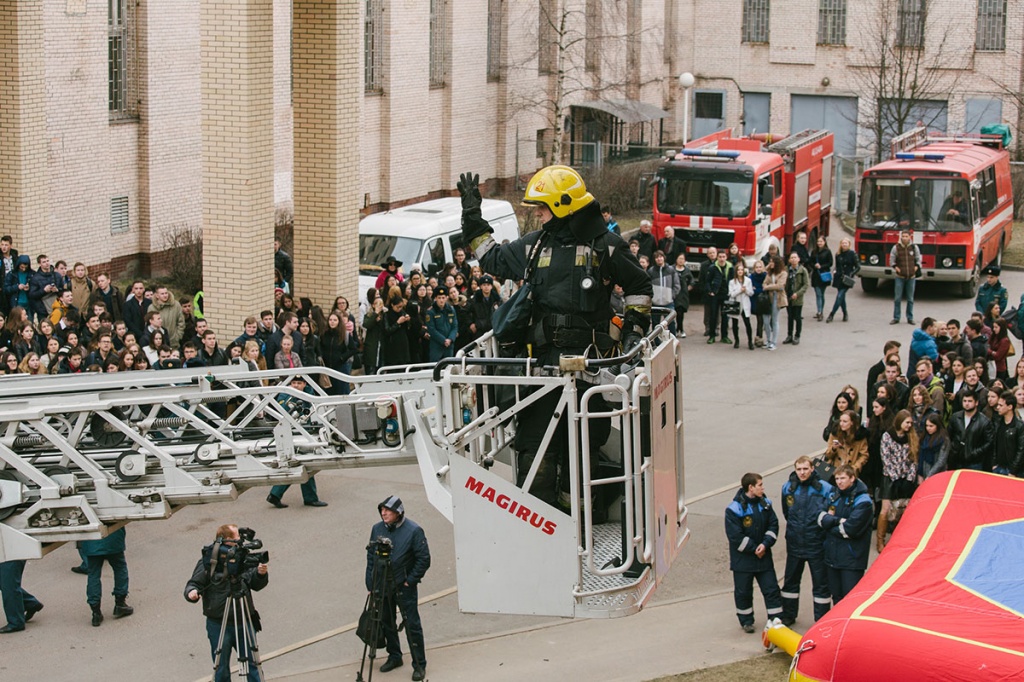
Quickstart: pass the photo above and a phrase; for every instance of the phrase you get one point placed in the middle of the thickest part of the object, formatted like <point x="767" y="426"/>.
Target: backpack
<point x="1015" y="320"/>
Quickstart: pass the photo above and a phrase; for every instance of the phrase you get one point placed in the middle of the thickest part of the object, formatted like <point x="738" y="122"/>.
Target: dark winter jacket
<point x="802" y="501"/>
<point x="481" y="309"/>
<point x="410" y="554"/>
<point x="970" y="446"/>
<point x="112" y="544"/>
<point x="37" y="291"/>
<point x="17" y="296"/>
<point x="1008" y="447"/>
<point x="216" y="590"/>
<point x="823" y="259"/>
<point x="846" y="264"/>
<point x="847" y="525"/>
<point x="750" y="522"/>
<point x="686" y="281"/>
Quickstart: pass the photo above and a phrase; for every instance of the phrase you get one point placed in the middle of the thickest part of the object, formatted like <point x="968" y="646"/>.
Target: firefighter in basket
<point x="570" y="268"/>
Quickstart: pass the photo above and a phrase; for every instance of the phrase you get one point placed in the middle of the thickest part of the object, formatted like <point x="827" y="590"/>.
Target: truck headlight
<point x="947" y="262"/>
<point x="873" y="259"/>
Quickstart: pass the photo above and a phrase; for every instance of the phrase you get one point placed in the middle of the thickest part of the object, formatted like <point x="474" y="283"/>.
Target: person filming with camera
<point x="224" y="577"/>
<point x="408" y="561"/>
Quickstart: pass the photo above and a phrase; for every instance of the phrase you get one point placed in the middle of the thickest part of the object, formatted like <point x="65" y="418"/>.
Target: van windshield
<point x="374" y="249"/>
<point x="925" y="204"/>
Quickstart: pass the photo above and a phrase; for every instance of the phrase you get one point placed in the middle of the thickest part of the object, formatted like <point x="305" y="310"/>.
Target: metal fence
<point x="1017" y="178"/>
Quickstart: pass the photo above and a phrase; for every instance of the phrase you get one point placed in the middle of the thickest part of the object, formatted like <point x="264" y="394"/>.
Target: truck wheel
<point x="969" y="289"/>
<point x="869" y="284"/>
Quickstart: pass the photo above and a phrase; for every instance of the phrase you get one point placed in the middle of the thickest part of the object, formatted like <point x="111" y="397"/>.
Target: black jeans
<point x="794" y="319"/>
<point x="405" y="598"/>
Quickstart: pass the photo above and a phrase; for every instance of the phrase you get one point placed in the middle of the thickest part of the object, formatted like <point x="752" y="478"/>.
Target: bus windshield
<point x="374" y="249"/>
<point x="925" y="204"/>
<point x="705" y="193"/>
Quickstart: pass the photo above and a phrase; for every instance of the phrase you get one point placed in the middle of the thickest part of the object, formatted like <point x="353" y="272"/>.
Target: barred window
<point x="832" y="22"/>
<point x="122" y="88"/>
<point x="438" y="42"/>
<point x="547" y="36"/>
<point x="373" y="46"/>
<point x="910" y="23"/>
<point x="755" y="21"/>
<point x="495" y="18"/>
<point x="991" y="25"/>
<point x="709" y="105"/>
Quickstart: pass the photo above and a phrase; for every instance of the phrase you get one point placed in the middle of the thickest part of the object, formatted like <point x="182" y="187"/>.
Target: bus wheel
<point x="969" y="289"/>
<point x="869" y="284"/>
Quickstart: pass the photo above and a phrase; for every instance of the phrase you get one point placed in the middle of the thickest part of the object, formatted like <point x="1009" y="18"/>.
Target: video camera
<point x="236" y="556"/>
<point x="381" y="548"/>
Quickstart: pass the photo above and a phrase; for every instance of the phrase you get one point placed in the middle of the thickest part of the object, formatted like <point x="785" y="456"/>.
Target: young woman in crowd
<point x="999" y="347"/>
<point x="682" y="299"/>
<point x="9" y="362"/>
<point x="920" y="407"/>
<point x="846" y="444"/>
<point x="338" y="347"/>
<point x="395" y="341"/>
<point x="757" y="280"/>
<point x="373" y="333"/>
<point x="957" y="373"/>
<point x="30" y="364"/>
<point x="821" y="274"/>
<point x="879" y="421"/>
<point x="1017" y="380"/>
<point x="141" y="363"/>
<point x="740" y="291"/>
<point x="287" y="358"/>
<point x="841" y="404"/>
<point x="152" y="349"/>
<point x="994" y="389"/>
<point x="310" y="344"/>
<point x="900" y="448"/>
<point x="846" y="266"/>
<point x="981" y="365"/>
<point x="25" y="341"/>
<point x="934" y="453"/>
<point x="849" y="390"/>
<point x="775" y="287"/>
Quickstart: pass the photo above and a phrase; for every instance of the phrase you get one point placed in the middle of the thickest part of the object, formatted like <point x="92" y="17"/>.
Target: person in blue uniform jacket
<point x="847" y="524"/>
<point x="111" y="550"/>
<point x="804" y="496"/>
<point x="752" y="528"/>
<point x="410" y="559"/>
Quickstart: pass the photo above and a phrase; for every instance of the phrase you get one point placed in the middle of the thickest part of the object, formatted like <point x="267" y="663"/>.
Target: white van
<point x="423" y="236"/>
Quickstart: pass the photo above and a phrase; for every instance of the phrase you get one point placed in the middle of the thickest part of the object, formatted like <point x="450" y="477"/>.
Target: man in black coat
<point x="485" y="301"/>
<point x="970" y="436"/>
<point x="213" y="578"/>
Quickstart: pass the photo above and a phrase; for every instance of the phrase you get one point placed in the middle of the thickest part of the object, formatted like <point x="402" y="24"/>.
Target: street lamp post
<point x="686" y="80"/>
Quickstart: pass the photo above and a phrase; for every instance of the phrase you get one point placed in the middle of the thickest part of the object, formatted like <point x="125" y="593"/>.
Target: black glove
<point x="469" y="189"/>
<point x="473" y="224"/>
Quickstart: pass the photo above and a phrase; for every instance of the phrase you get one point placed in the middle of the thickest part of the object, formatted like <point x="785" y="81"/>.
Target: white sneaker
<point x="682" y="335"/>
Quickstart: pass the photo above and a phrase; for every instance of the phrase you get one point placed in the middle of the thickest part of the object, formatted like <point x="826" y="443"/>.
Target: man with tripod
<point x="392" y="581"/>
<point x="225" y="584"/>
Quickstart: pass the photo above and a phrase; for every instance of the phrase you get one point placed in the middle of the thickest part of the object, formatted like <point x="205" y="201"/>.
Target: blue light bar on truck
<point x="912" y="156"/>
<point x="712" y="152"/>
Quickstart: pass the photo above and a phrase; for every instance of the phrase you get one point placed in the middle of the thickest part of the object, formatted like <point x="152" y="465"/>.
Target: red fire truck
<point x="953" y="192"/>
<point x="750" y="190"/>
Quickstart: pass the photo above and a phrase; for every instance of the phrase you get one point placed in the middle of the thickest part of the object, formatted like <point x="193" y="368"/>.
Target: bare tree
<point x="908" y="70"/>
<point x="584" y="49"/>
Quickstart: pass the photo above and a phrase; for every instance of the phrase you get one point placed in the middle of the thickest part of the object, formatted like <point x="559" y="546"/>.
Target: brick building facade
<point x="106" y="106"/>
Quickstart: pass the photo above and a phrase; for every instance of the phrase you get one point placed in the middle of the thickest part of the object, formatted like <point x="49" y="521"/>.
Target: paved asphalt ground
<point x="744" y="411"/>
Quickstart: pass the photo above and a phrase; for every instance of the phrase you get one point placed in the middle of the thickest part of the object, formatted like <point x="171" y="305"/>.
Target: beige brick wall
<point x="237" y="158"/>
<point x="23" y="167"/>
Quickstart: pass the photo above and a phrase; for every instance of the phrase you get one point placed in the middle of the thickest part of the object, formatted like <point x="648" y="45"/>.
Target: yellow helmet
<point x="560" y="188"/>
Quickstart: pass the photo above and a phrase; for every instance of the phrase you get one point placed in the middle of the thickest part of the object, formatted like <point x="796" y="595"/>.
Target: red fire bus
<point x="953" y="192"/>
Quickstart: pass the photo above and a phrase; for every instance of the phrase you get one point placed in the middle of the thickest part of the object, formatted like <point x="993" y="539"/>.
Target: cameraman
<point x="410" y="559"/>
<point x="212" y="580"/>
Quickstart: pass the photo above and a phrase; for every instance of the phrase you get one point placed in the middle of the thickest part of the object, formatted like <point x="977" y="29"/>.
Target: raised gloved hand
<point x="469" y="189"/>
<point x="474" y="227"/>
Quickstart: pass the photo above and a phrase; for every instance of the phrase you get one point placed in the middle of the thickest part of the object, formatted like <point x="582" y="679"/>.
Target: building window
<point x="547" y="36"/>
<point x="709" y="105"/>
<point x="495" y="24"/>
<point x="755" y="21"/>
<point x="910" y="23"/>
<point x="373" y="46"/>
<point x="438" y="42"/>
<point x="831" y="22"/>
<point x="991" y="25"/>
<point x="118" y="215"/>
<point x="122" y="91"/>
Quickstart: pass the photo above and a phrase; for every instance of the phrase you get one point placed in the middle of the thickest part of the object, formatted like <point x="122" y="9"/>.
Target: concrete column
<point x="23" y="151"/>
<point x="236" y="65"/>
<point x="327" y="67"/>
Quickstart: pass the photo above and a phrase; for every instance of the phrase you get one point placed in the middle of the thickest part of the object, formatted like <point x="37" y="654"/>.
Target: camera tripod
<point x="239" y="610"/>
<point x="372" y="632"/>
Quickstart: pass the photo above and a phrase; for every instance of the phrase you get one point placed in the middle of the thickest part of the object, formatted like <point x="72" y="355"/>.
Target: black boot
<point x="97" y="615"/>
<point x="736" y="343"/>
<point x="121" y="609"/>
